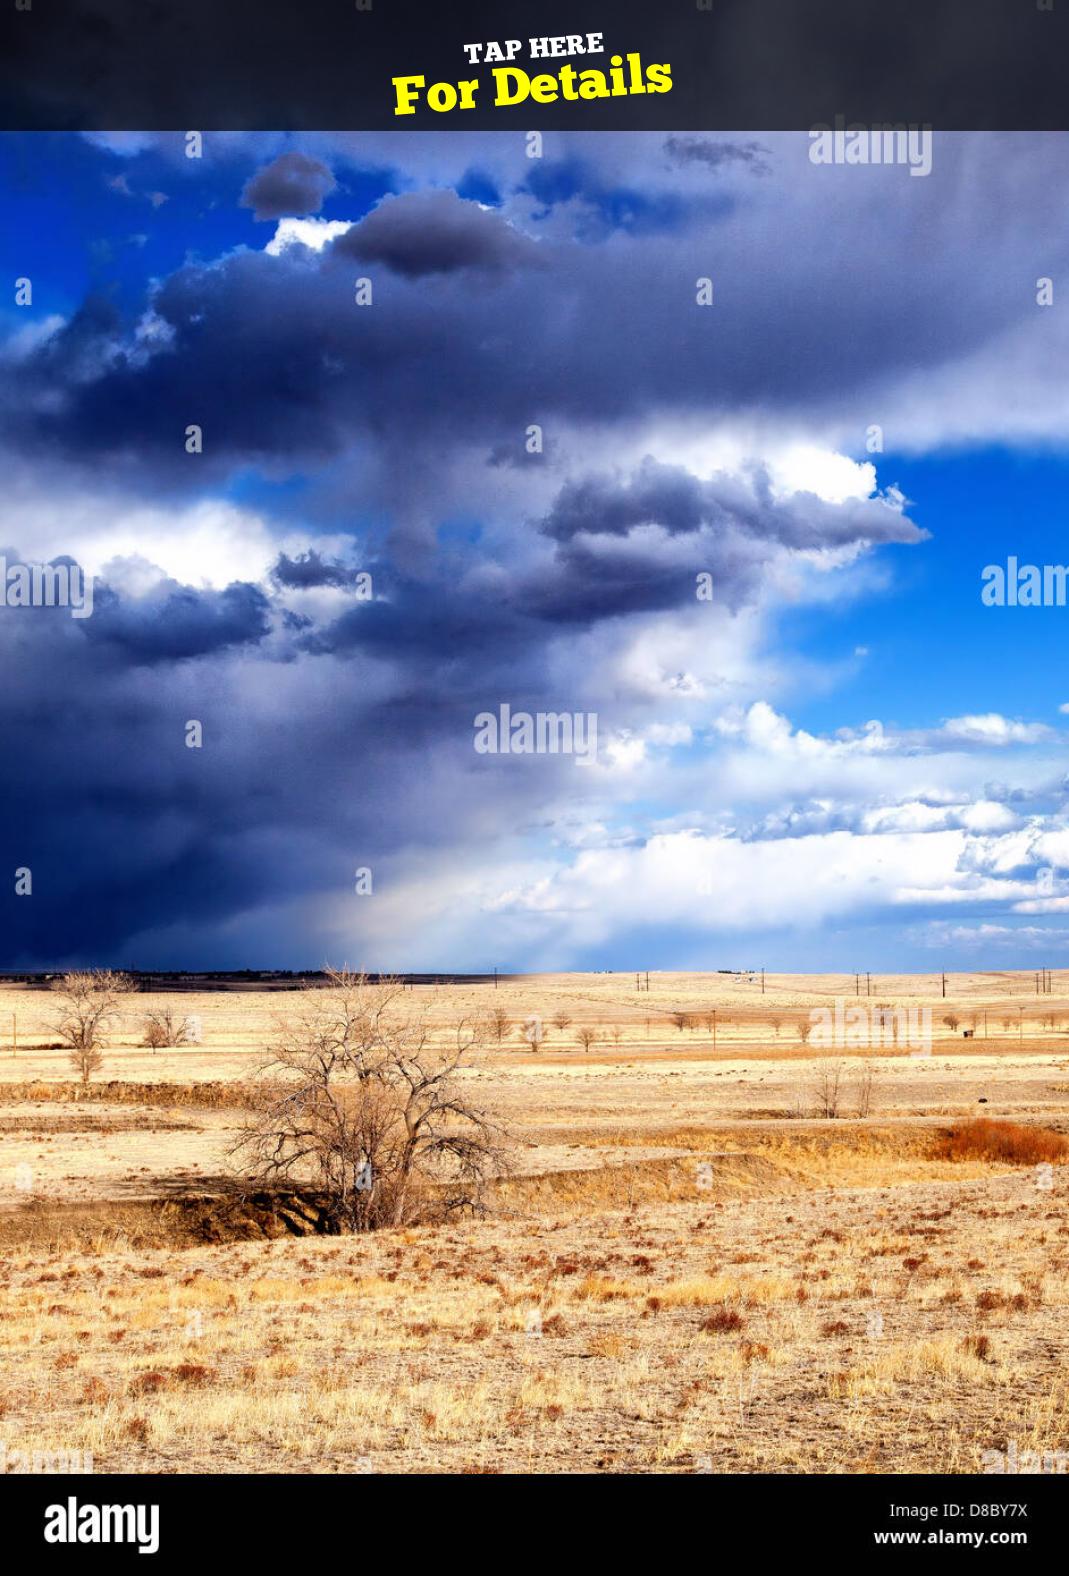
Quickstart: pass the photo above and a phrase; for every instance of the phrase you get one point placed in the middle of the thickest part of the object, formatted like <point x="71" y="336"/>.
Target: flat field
<point x="720" y="1245"/>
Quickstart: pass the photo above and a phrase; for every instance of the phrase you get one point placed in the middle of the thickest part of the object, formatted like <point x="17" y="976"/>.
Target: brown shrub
<point x="148" y="1384"/>
<point x="193" y="1373"/>
<point x="720" y="1321"/>
<point x="1010" y="1142"/>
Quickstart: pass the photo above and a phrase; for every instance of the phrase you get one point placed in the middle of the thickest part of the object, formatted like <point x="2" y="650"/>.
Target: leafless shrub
<point x="163" y="1029"/>
<point x="586" y="1036"/>
<point x="499" y="1023"/>
<point x="827" y="1087"/>
<point x="561" y="1019"/>
<point x="357" y="1102"/>
<point x="804" y="1030"/>
<point x="864" y="1088"/>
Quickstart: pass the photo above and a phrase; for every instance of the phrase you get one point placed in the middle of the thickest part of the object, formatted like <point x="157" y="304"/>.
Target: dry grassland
<point x="689" y="1268"/>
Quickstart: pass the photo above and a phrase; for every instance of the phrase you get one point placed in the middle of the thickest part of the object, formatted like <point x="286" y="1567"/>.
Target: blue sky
<point x="843" y="760"/>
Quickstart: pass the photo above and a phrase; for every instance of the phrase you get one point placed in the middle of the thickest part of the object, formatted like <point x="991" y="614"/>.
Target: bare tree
<point x="561" y="1019"/>
<point x="681" y="1020"/>
<point x="586" y="1036"/>
<point x="163" y="1028"/>
<point x="866" y="1083"/>
<point x="775" y="1023"/>
<point x="499" y="1022"/>
<point x="356" y="1101"/>
<point x="951" y="1021"/>
<point x="828" y="1087"/>
<point x="804" y="1030"/>
<point x="90" y="1001"/>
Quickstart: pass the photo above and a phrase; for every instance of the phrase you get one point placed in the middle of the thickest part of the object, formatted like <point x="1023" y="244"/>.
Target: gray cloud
<point x="177" y="622"/>
<point x="716" y="155"/>
<point x="310" y="569"/>
<point x="670" y="497"/>
<point x="331" y="743"/>
<point x="290" y="186"/>
<point x="435" y="232"/>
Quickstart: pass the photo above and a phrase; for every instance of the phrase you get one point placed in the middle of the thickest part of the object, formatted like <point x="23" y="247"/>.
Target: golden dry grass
<point x="687" y="1271"/>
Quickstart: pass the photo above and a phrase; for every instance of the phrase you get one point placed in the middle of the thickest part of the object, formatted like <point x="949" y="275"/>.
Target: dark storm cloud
<point x="435" y="232"/>
<point x="129" y="832"/>
<point x="716" y="155"/>
<point x="176" y="622"/>
<point x="276" y="362"/>
<point x="290" y="186"/>
<point x="679" y="503"/>
<point x="310" y="569"/>
<point x="582" y="586"/>
<point x="337" y="743"/>
<point x="81" y="350"/>
<point x="661" y="495"/>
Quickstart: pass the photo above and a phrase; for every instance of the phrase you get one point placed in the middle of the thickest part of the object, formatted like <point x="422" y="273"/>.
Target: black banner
<point x="168" y="1522"/>
<point x="330" y="64"/>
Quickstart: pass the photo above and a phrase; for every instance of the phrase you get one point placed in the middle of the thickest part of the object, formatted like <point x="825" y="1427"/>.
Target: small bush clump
<point x="1013" y="1143"/>
<point x="720" y="1321"/>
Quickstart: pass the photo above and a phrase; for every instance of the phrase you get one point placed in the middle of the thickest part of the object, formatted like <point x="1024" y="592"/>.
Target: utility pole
<point x="985" y="1023"/>
<point x="647" y="979"/>
<point x="857" y="984"/>
<point x="868" y="984"/>
<point x="495" y="978"/>
<point x="944" y="984"/>
<point x="714" y="1028"/>
<point x="762" y="982"/>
